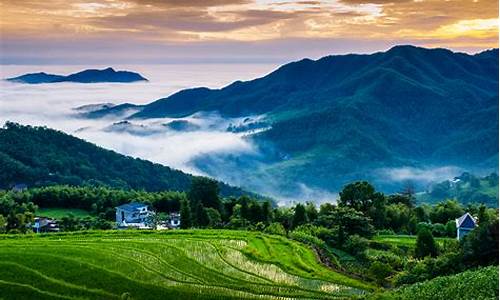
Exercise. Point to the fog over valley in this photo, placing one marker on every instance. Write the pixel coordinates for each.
(56, 106)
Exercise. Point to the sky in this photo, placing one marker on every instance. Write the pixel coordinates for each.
(234, 31)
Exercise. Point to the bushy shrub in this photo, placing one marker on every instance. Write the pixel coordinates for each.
(356, 246)
(428, 268)
(380, 271)
(275, 228)
(306, 238)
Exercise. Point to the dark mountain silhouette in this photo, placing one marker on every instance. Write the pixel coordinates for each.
(86, 76)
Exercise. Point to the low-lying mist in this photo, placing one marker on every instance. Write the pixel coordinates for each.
(53, 105)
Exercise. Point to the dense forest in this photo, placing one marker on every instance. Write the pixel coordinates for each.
(38, 156)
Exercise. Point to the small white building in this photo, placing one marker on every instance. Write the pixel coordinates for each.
(465, 224)
(133, 214)
(174, 220)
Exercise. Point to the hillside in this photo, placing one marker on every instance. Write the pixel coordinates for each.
(466, 188)
(348, 117)
(198, 264)
(475, 284)
(85, 76)
(40, 156)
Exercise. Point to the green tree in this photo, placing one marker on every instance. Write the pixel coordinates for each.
(275, 228)
(214, 218)
(299, 215)
(445, 211)
(311, 212)
(358, 195)
(3, 224)
(267, 213)
(200, 215)
(480, 247)
(425, 246)
(347, 221)
(483, 217)
(205, 191)
(186, 221)
(380, 271)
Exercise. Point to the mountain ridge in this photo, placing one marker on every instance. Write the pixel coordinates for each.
(85, 76)
(39, 156)
(343, 117)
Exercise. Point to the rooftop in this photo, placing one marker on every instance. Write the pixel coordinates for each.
(132, 206)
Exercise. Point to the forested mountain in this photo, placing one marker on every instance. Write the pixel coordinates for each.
(466, 188)
(85, 76)
(343, 118)
(39, 156)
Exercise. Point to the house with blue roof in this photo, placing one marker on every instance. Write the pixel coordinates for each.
(465, 224)
(133, 214)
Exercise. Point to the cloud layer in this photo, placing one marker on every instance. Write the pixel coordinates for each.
(154, 30)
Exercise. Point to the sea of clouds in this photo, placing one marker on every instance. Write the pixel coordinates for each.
(53, 105)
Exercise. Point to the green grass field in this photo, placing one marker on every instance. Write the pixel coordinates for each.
(58, 213)
(403, 240)
(196, 264)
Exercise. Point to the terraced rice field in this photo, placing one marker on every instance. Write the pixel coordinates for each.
(201, 264)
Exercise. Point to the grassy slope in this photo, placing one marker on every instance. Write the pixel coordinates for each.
(477, 284)
(58, 213)
(403, 240)
(200, 264)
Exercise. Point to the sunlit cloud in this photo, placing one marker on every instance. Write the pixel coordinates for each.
(439, 23)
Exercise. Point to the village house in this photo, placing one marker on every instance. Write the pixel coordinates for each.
(133, 214)
(465, 224)
(43, 224)
(19, 187)
(174, 220)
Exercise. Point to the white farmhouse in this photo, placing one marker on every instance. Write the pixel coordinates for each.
(133, 214)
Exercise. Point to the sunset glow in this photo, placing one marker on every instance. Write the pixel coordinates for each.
(170, 25)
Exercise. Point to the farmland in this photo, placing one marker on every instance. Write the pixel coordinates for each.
(404, 240)
(200, 264)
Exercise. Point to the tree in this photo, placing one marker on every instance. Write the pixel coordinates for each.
(358, 195)
(380, 271)
(347, 221)
(299, 216)
(275, 228)
(445, 211)
(482, 216)
(3, 224)
(254, 212)
(426, 246)
(200, 215)
(206, 191)
(311, 212)
(266, 212)
(185, 212)
(214, 218)
(480, 247)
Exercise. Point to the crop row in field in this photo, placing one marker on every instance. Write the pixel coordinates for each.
(200, 264)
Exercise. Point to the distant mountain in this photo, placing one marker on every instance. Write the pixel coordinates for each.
(466, 188)
(86, 76)
(348, 117)
(95, 111)
(40, 156)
